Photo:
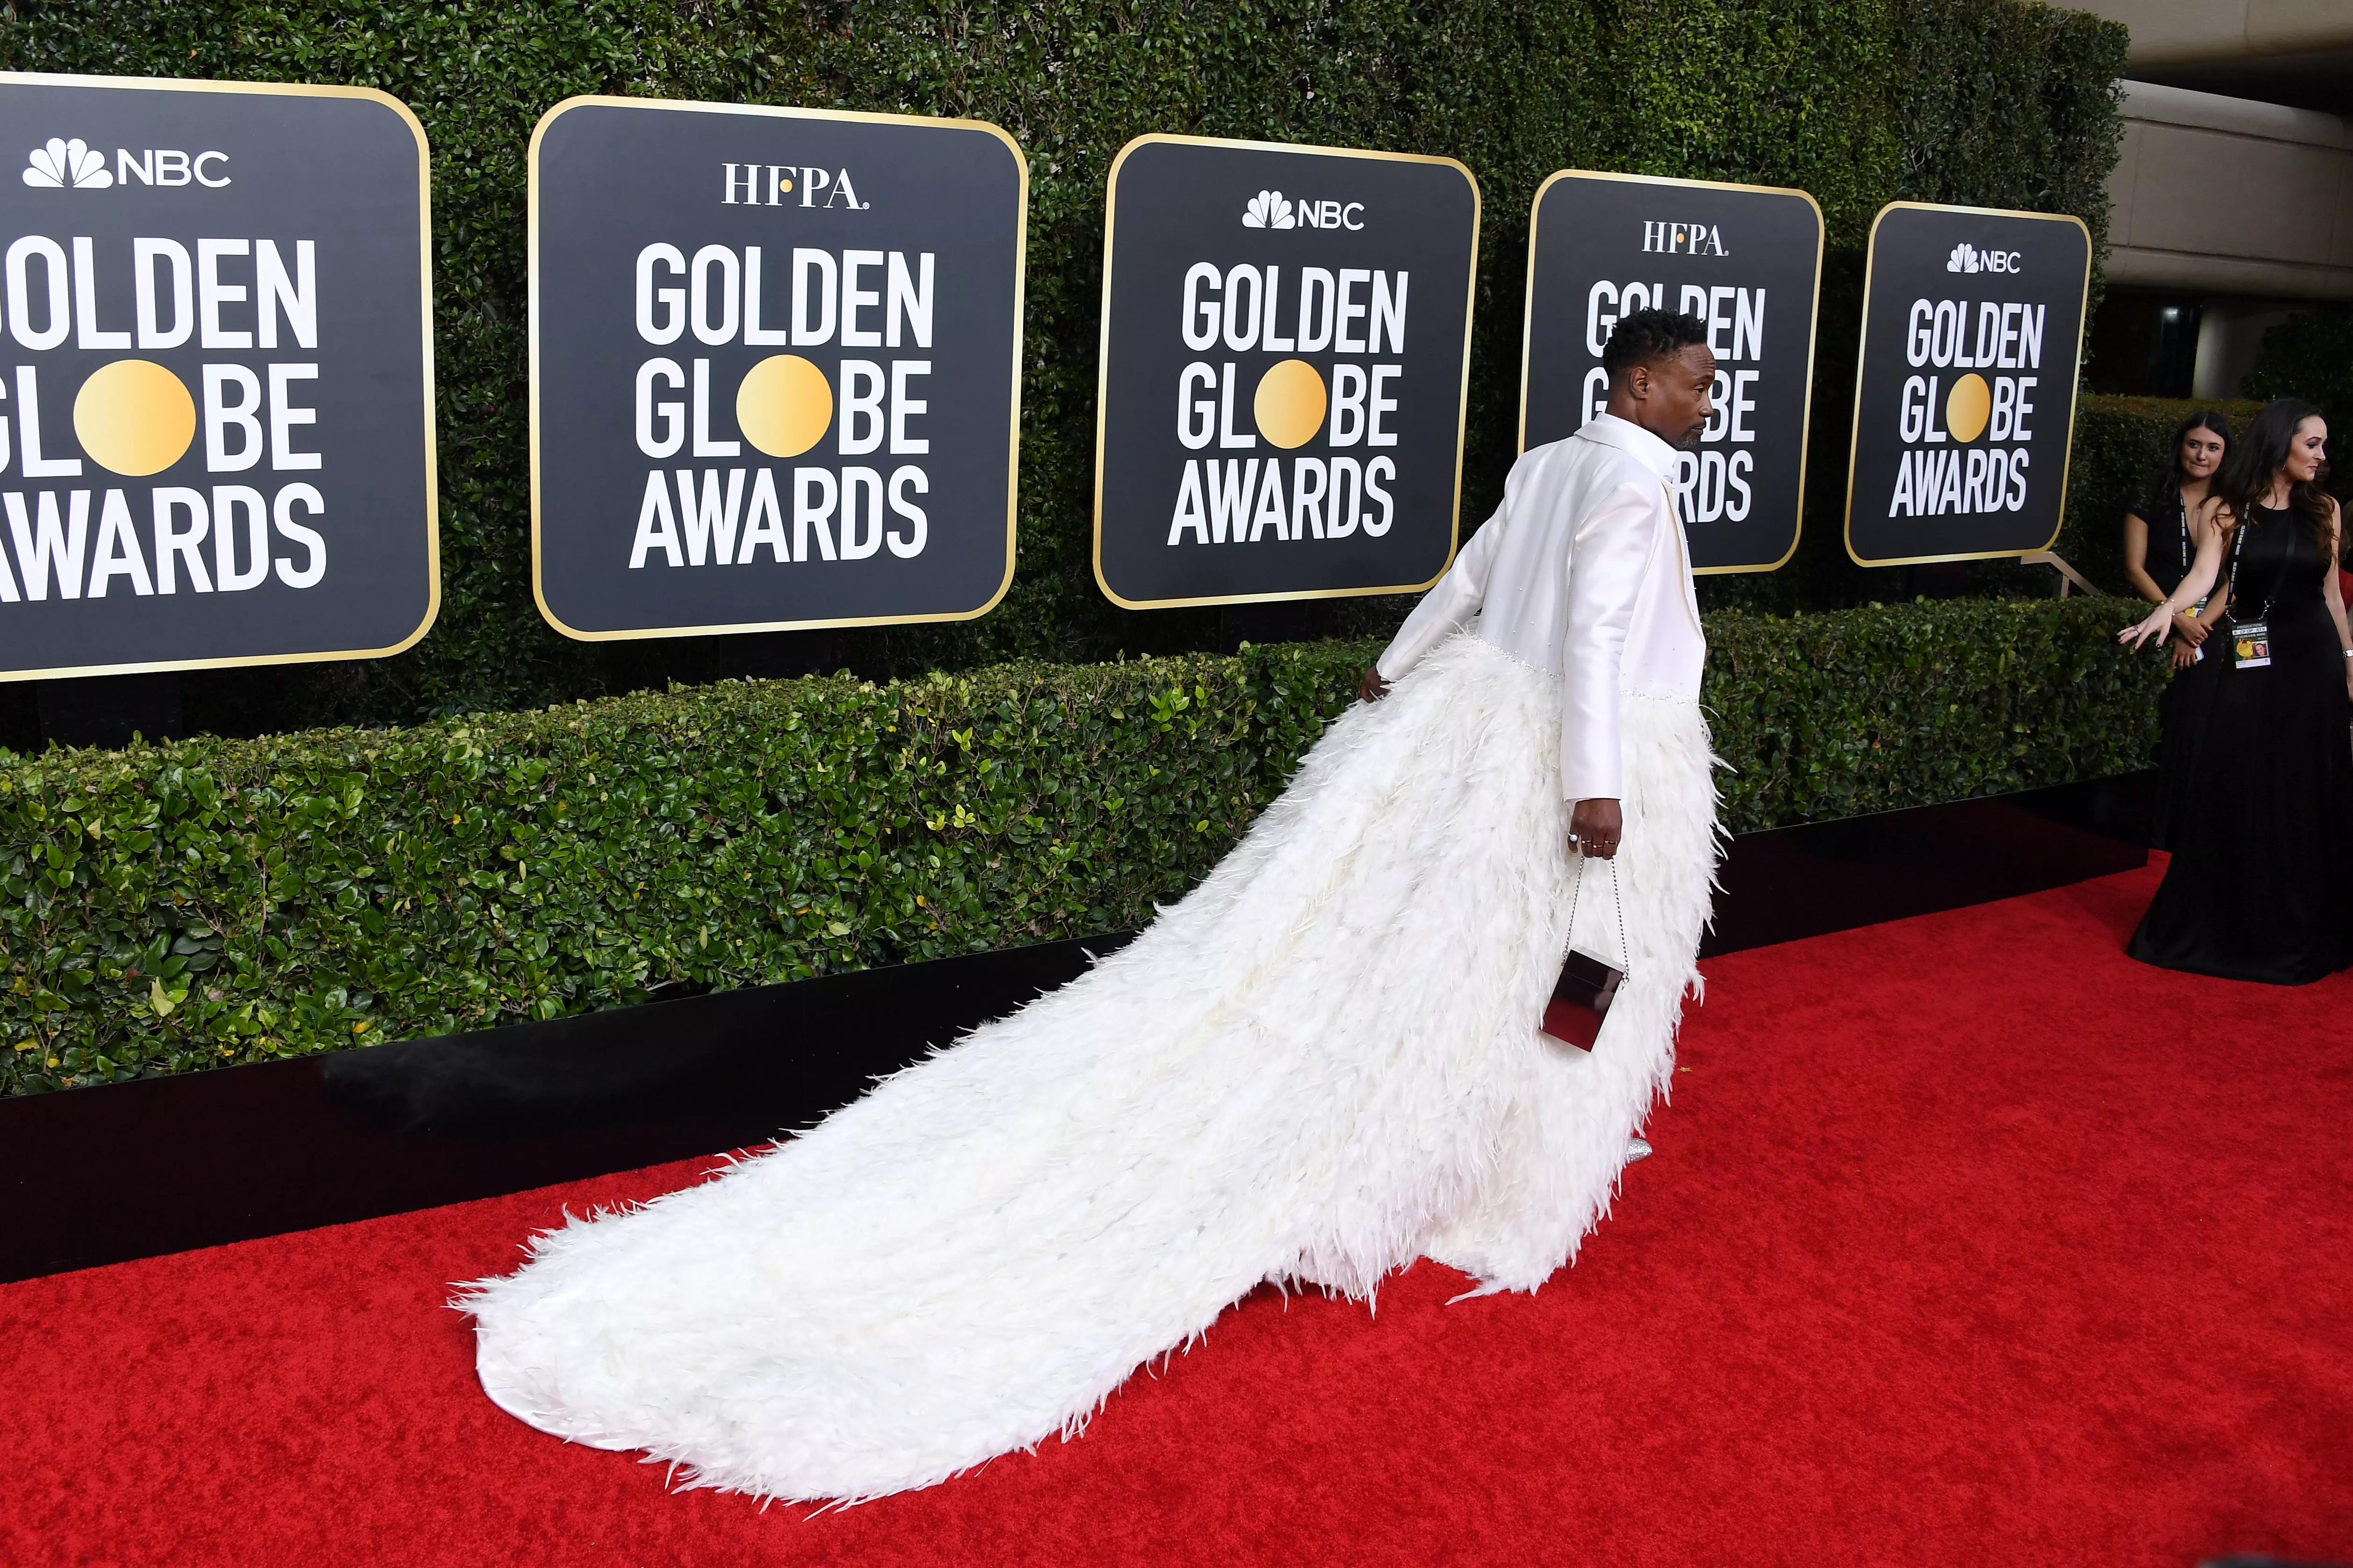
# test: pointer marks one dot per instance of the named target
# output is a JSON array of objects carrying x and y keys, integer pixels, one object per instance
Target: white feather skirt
[{"x": 1321, "y": 1064}]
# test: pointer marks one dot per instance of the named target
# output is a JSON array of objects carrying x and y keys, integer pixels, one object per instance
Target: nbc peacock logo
[
  {"x": 1273, "y": 209},
  {"x": 1270, "y": 209},
  {"x": 62, "y": 165},
  {"x": 1968, "y": 257}
]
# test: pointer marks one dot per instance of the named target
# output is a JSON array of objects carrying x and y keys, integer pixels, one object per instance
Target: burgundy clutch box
[{"x": 1579, "y": 1000}]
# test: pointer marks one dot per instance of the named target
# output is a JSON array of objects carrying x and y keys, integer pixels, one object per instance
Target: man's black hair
[{"x": 1648, "y": 337}]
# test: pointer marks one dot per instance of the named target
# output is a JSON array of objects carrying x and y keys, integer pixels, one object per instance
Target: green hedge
[
  {"x": 2001, "y": 102},
  {"x": 180, "y": 907},
  {"x": 1832, "y": 715}
]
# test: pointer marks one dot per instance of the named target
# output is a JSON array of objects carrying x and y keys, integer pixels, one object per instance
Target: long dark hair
[
  {"x": 2164, "y": 491},
  {"x": 2244, "y": 480}
]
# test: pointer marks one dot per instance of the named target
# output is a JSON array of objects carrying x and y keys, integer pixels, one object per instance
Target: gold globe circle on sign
[
  {"x": 134, "y": 417},
  {"x": 1291, "y": 403},
  {"x": 1967, "y": 406},
  {"x": 784, "y": 405}
]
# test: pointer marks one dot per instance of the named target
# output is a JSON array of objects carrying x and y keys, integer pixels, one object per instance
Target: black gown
[
  {"x": 2261, "y": 886},
  {"x": 2181, "y": 706}
]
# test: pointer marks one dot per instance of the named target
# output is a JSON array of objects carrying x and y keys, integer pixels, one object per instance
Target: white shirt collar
[{"x": 1629, "y": 437}]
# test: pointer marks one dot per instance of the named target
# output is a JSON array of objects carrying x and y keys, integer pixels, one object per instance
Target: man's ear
[{"x": 1638, "y": 380}]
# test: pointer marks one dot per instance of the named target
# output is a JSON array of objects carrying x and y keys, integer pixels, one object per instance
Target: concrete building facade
[{"x": 2233, "y": 200}]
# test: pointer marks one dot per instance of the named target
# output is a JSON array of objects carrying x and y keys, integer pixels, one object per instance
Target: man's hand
[
  {"x": 1372, "y": 689},
  {"x": 1594, "y": 828},
  {"x": 2193, "y": 630},
  {"x": 2185, "y": 653}
]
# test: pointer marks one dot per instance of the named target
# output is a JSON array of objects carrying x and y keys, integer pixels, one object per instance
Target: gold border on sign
[
  {"x": 1813, "y": 324},
  {"x": 1862, "y": 347},
  {"x": 1102, "y": 364},
  {"x": 424, "y": 307},
  {"x": 1013, "y": 417}
]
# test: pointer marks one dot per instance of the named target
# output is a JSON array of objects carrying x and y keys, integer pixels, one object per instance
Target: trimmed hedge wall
[
  {"x": 181, "y": 906},
  {"x": 1833, "y": 715},
  {"x": 2000, "y": 102}
]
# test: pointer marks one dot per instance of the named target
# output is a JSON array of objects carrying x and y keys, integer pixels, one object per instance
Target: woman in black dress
[
  {"x": 2261, "y": 886},
  {"x": 2162, "y": 532}
]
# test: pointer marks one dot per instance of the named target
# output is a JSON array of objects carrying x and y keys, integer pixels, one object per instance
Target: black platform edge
[{"x": 107, "y": 1174}]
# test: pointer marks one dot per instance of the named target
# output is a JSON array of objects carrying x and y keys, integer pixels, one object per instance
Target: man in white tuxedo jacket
[{"x": 1583, "y": 570}]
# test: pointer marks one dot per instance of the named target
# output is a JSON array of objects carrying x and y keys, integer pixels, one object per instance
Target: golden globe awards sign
[
  {"x": 217, "y": 401},
  {"x": 1965, "y": 392},
  {"x": 1747, "y": 260},
  {"x": 1285, "y": 345},
  {"x": 775, "y": 360}
]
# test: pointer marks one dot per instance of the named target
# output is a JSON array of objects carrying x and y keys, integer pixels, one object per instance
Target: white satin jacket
[{"x": 1582, "y": 572}]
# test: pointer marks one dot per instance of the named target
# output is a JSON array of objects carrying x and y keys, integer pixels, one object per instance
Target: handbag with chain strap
[{"x": 1586, "y": 986}]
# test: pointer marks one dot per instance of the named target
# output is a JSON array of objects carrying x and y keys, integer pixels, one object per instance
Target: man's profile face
[{"x": 1673, "y": 395}]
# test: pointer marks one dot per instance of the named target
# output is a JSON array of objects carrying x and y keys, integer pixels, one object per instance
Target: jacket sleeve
[
  {"x": 1608, "y": 551},
  {"x": 1447, "y": 608}
]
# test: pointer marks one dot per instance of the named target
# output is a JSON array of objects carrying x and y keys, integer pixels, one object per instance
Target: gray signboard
[
  {"x": 215, "y": 375},
  {"x": 1964, "y": 391},
  {"x": 1286, "y": 341},
  {"x": 775, "y": 367},
  {"x": 1745, "y": 259}
]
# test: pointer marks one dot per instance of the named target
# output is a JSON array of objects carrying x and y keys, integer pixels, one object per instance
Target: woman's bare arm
[
  {"x": 2198, "y": 581},
  {"x": 2334, "y": 592},
  {"x": 2136, "y": 559}
]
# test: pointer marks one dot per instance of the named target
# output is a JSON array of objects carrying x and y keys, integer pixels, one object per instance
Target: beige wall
[
  {"x": 2167, "y": 32},
  {"x": 2229, "y": 332},
  {"x": 2222, "y": 196}
]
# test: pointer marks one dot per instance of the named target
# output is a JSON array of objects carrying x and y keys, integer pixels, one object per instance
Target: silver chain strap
[{"x": 1577, "y": 891}]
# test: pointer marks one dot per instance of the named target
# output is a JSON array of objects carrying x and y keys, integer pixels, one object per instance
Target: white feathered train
[{"x": 1322, "y": 1064}]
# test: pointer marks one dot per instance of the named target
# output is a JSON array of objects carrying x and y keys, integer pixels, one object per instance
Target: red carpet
[{"x": 1968, "y": 1241}]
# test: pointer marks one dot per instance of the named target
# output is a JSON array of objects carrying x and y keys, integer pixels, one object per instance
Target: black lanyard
[{"x": 2238, "y": 547}]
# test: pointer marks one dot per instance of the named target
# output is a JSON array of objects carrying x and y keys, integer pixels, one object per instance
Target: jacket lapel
[
  {"x": 1683, "y": 562},
  {"x": 1607, "y": 435}
]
